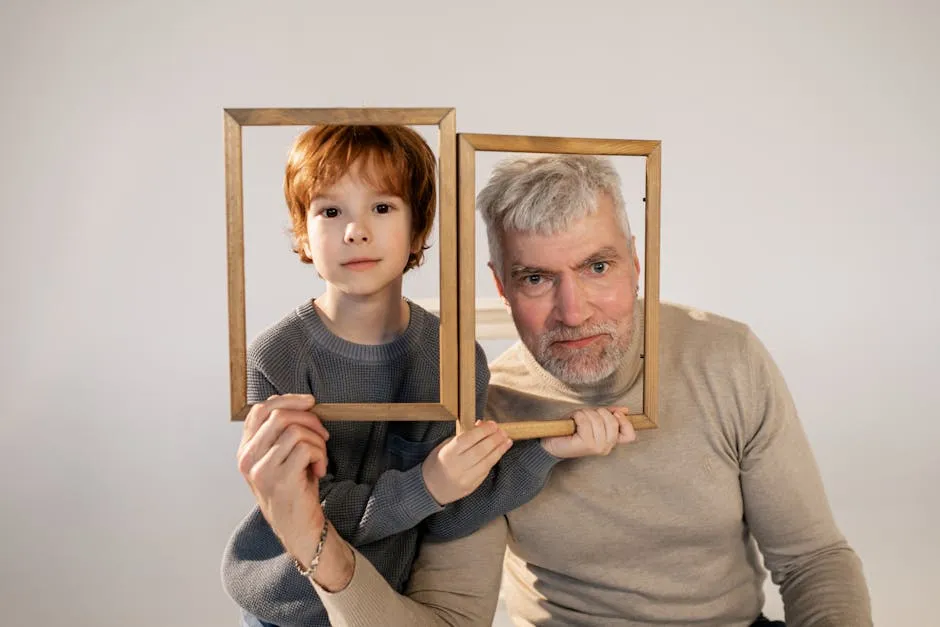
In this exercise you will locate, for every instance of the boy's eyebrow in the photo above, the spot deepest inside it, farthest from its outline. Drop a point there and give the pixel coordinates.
(329, 198)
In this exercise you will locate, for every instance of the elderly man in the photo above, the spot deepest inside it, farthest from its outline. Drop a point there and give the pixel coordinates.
(667, 531)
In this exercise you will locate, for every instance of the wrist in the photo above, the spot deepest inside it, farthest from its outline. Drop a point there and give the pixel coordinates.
(303, 547)
(308, 568)
(428, 477)
(337, 564)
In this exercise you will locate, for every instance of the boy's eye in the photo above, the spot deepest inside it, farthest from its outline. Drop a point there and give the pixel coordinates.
(383, 207)
(330, 212)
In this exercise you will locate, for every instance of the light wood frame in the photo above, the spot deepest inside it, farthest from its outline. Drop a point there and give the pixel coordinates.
(445, 120)
(468, 144)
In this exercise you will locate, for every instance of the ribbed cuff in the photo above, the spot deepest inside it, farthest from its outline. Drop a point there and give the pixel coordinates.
(357, 603)
(534, 458)
(416, 501)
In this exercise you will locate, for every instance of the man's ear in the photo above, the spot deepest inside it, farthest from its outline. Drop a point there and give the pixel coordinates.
(499, 285)
(636, 259)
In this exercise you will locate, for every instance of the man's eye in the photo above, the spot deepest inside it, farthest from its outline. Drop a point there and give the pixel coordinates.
(532, 279)
(599, 267)
(383, 207)
(330, 212)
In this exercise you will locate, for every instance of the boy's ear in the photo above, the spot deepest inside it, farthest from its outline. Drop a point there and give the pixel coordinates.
(416, 244)
(303, 244)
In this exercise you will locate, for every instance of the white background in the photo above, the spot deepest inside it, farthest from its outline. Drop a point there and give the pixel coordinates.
(800, 191)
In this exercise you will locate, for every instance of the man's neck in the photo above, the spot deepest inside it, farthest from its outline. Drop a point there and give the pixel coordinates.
(373, 319)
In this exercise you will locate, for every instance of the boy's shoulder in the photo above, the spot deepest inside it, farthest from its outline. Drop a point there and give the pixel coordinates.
(287, 336)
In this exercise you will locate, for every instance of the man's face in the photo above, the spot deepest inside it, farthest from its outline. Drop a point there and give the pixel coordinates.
(572, 295)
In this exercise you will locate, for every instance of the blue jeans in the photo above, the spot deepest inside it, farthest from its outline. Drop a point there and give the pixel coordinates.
(249, 620)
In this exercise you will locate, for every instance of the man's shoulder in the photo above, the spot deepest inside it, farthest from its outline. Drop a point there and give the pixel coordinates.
(706, 338)
(685, 322)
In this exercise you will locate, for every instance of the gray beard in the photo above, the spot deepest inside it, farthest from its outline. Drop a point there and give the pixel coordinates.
(584, 366)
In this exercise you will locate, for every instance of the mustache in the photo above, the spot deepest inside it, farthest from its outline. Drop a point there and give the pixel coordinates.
(567, 334)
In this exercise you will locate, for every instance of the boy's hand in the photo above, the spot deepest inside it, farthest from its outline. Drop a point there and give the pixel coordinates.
(598, 430)
(457, 466)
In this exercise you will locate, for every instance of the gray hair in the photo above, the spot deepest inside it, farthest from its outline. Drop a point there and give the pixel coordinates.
(545, 195)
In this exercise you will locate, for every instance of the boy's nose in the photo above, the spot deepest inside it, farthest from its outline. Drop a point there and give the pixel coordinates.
(356, 233)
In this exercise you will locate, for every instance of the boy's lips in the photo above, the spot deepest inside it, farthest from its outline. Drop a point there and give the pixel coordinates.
(361, 263)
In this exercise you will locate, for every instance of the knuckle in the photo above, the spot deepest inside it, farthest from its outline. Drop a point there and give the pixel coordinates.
(256, 476)
(244, 465)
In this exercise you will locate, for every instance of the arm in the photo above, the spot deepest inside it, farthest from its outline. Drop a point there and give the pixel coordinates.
(819, 575)
(452, 584)
(362, 512)
(518, 476)
(281, 455)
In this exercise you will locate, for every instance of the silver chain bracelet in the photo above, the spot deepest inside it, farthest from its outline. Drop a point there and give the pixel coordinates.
(310, 572)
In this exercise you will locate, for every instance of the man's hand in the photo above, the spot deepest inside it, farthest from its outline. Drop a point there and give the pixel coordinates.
(282, 455)
(597, 431)
(457, 466)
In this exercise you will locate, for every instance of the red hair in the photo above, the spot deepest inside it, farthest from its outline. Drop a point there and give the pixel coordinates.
(401, 163)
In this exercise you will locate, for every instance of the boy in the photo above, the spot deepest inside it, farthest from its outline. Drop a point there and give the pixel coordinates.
(361, 200)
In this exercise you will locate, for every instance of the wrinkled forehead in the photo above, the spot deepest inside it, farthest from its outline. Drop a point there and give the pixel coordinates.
(566, 248)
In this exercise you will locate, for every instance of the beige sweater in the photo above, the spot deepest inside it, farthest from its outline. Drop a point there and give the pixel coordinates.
(661, 531)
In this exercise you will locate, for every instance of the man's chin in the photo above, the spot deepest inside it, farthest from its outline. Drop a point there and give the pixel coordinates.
(569, 371)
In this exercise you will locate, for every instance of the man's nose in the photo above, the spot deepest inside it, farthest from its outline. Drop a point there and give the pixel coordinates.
(571, 306)
(357, 232)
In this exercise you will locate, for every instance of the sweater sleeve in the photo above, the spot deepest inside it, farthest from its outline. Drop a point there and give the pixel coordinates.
(820, 576)
(259, 575)
(361, 512)
(513, 481)
(452, 584)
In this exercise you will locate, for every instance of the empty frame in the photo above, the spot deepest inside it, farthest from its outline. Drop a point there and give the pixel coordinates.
(456, 219)
(467, 147)
(445, 120)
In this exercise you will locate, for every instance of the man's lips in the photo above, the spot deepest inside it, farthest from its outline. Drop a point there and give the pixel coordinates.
(580, 342)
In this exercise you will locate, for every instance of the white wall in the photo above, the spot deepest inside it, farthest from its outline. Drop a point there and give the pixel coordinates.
(800, 190)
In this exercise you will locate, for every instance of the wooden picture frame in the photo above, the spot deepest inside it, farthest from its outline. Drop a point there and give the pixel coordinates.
(445, 120)
(468, 144)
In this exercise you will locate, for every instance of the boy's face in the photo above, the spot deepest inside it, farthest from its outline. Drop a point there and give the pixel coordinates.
(359, 238)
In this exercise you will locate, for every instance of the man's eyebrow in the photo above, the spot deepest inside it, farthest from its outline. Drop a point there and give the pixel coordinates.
(517, 271)
(607, 253)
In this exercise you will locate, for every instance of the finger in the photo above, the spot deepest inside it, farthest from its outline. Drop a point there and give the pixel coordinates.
(626, 432)
(468, 439)
(611, 428)
(260, 412)
(267, 474)
(484, 448)
(271, 430)
(483, 466)
(289, 438)
(303, 454)
(584, 425)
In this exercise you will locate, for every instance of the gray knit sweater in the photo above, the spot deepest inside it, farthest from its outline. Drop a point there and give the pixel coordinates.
(374, 491)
